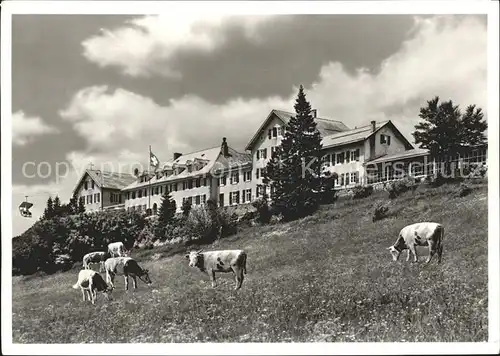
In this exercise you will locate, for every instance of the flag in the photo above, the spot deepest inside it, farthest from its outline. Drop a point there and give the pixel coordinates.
(153, 160)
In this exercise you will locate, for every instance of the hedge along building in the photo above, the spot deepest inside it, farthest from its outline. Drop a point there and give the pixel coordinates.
(216, 173)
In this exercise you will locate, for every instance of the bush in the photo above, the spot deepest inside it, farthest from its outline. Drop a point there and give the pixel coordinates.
(229, 223)
(360, 191)
(380, 211)
(399, 187)
(263, 211)
(463, 190)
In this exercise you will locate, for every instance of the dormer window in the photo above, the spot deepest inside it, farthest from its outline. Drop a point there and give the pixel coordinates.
(385, 139)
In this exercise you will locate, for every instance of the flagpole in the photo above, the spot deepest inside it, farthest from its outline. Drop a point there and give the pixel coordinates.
(149, 180)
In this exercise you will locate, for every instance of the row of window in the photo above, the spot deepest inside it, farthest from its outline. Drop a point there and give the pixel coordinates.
(195, 200)
(95, 198)
(86, 184)
(275, 131)
(234, 178)
(115, 198)
(332, 159)
(385, 139)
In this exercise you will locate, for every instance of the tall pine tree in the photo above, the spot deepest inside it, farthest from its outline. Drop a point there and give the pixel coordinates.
(81, 205)
(294, 169)
(166, 212)
(73, 205)
(445, 131)
(49, 210)
(57, 206)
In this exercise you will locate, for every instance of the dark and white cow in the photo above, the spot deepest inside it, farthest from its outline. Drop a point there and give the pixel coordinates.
(420, 234)
(91, 282)
(117, 249)
(220, 261)
(125, 266)
(95, 257)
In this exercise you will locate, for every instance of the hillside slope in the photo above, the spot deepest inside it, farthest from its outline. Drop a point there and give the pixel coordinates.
(327, 277)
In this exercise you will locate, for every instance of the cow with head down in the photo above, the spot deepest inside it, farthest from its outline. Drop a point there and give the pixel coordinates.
(420, 234)
(125, 266)
(220, 261)
(90, 282)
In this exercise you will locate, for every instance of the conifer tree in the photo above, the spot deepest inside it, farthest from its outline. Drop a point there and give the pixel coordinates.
(294, 169)
(49, 210)
(57, 208)
(167, 209)
(81, 206)
(445, 131)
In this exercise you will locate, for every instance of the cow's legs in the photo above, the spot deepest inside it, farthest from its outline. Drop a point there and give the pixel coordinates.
(408, 255)
(126, 281)
(412, 248)
(134, 279)
(432, 251)
(212, 274)
(239, 277)
(440, 252)
(83, 294)
(110, 277)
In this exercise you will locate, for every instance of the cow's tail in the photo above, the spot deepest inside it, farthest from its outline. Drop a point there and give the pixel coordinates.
(441, 236)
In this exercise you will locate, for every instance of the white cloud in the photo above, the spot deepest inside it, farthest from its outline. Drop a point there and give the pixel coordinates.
(145, 45)
(25, 128)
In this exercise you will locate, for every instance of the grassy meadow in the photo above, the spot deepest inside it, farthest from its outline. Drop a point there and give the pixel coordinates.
(327, 277)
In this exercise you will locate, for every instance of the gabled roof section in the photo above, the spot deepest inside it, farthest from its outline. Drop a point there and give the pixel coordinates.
(361, 134)
(235, 161)
(107, 180)
(416, 152)
(210, 156)
(325, 126)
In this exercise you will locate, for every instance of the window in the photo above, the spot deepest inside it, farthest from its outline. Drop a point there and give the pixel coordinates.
(145, 193)
(269, 133)
(190, 183)
(355, 177)
(198, 200)
(257, 172)
(342, 177)
(249, 195)
(86, 186)
(144, 207)
(326, 160)
(98, 196)
(275, 132)
(119, 198)
(355, 155)
(243, 197)
(184, 185)
(155, 209)
(205, 182)
(247, 176)
(140, 193)
(385, 139)
(235, 178)
(234, 198)
(111, 197)
(157, 190)
(340, 158)
(90, 198)
(222, 181)
(133, 195)
(197, 182)
(92, 184)
(348, 156)
(128, 195)
(204, 199)
(221, 200)
(262, 153)
(257, 191)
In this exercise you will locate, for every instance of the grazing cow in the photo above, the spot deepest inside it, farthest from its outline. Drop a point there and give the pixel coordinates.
(117, 249)
(125, 266)
(95, 257)
(91, 282)
(220, 261)
(420, 234)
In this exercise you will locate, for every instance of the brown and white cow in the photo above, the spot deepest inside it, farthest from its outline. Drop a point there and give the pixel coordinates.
(220, 261)
(420, 234)
(95, 257)
(125, 266)
(117, 249)
(91, 282)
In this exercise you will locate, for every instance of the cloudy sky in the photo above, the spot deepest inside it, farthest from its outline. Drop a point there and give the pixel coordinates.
(101, 89)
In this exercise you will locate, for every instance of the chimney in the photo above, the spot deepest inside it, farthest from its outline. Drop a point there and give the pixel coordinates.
(314, 113)
(224, 149)
(374, 125)
(177, 155)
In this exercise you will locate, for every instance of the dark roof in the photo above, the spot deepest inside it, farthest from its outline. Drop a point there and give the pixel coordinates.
(109, 180)
(324, 126)
(360, 134)
(416, 152)
(236, 160)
